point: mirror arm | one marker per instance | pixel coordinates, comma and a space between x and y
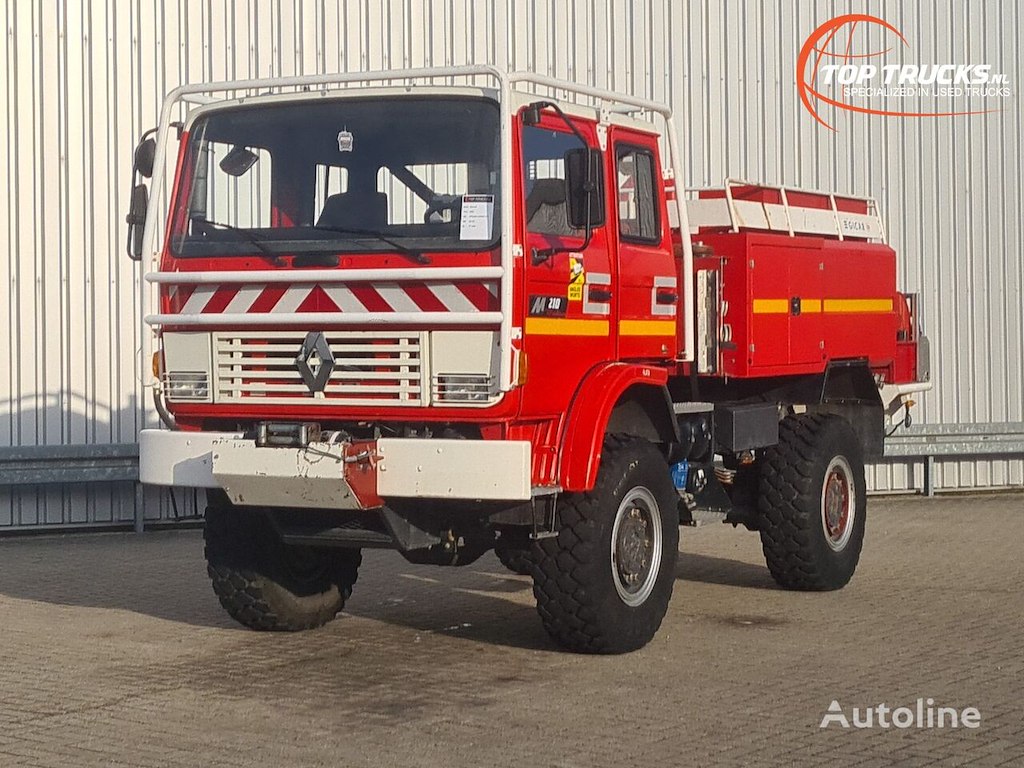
539, 105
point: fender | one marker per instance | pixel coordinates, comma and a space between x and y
589, 413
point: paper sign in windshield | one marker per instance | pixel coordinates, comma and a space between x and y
477, 217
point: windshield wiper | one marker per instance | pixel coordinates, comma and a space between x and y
246, 234
409, 253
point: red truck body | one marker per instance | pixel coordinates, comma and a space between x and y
478, 370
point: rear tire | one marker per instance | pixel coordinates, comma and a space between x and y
812, 503
603, 584
266, 584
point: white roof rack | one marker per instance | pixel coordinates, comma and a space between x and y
742, 205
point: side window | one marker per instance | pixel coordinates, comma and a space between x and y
637, 195
233, 185
544, 180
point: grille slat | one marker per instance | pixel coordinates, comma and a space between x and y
370, 368
233, 345
289, 375
302, 389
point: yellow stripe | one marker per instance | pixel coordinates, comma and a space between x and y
771, 306
558, 326
647, 327
858, 305
813, 306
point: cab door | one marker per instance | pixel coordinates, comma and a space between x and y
569, 294
647, 287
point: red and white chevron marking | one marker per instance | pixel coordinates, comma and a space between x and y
358, 297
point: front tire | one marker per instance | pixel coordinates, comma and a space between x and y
813, 503
266, 584
603, 584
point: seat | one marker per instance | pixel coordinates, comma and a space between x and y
545, 208
355, 210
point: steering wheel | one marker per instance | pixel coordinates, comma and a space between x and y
439, 203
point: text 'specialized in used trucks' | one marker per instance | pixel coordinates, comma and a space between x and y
453, 310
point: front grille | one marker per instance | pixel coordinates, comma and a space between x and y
370, 368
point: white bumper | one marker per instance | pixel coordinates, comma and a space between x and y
317, 476
179, 458
454, 469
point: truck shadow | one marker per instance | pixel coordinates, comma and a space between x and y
158, 574
162, 575
707, 569
480, 602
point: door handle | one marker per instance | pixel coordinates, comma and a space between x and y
666, 297
599, 294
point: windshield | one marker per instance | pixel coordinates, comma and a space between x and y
411, 174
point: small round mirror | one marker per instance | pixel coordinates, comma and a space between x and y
145, 154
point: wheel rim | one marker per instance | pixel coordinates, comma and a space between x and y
636, 546
838, 503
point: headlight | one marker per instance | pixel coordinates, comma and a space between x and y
186, 386
463, 388
465, 368
187, 368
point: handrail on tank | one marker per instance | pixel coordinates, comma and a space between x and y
784, 190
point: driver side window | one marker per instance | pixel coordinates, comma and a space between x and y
544, 181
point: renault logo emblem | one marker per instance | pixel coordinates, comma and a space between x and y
315, 361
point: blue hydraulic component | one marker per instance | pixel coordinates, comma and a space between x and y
680, 472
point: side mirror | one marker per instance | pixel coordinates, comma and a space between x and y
145, 154
531, 112
136, 219
142, 165
584, 201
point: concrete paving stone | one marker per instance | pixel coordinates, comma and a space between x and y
116, 652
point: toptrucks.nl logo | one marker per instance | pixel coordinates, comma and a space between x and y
837, 68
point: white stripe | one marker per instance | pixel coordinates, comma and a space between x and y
492, 288
199, 299
447, 293
397, 298
245, 298
292, 298
453, 299
346, 300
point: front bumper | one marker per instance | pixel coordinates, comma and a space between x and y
358, 475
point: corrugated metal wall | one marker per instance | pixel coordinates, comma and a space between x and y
83, 80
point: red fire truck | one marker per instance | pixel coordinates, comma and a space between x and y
453, 310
